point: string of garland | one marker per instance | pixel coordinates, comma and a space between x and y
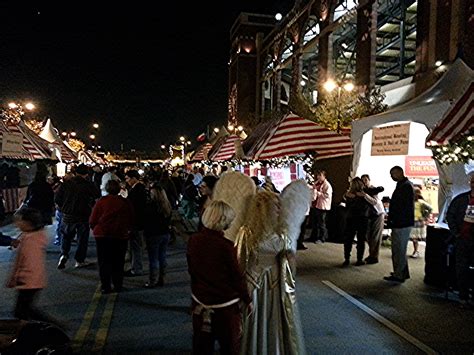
306, 161
461, 151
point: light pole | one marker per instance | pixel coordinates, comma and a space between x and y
330, 86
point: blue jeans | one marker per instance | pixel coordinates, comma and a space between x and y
156, 246
69, 232
400, 238
59, 235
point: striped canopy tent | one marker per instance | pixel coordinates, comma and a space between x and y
201, 153
457, 122
21, 154
225, 148
89, 158
293, 135
50, 134
36, 146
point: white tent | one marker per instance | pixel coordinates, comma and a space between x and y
63, 151
423, 113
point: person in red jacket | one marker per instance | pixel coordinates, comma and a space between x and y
217, 283
111, 221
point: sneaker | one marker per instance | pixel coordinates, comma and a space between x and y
360, 262
346, 262
62, 262
415, 255
80, 264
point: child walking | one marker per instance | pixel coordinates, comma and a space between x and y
28, 274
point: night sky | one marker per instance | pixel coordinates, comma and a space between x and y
146, 73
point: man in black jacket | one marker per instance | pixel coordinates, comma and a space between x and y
460, 218
75, 199
137, 195
401, 219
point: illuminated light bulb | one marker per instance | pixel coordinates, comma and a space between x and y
349, 86
330, 85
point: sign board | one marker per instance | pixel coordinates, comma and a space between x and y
390, 140
420, 166
12, 143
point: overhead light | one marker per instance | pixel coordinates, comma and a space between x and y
278, 16
302, 83
438, 63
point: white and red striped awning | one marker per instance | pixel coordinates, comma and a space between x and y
224, 150
293, 135
23, 155
202, 152
458, 121
36, 146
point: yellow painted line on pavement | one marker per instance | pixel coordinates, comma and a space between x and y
103, 331
87, 321
393, 327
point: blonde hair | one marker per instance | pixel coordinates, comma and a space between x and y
263, 216
218, 215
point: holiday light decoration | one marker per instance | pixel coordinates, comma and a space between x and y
306, 161
461, 151
35, 125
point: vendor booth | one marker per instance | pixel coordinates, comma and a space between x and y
21, 148
224, 149
397, 136
201, 153
62, 151
288, 143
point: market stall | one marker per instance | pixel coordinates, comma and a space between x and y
21, 148
452, 142
62, 151
201, 153
225, 148
287, 144
397, 136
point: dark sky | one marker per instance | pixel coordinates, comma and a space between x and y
146, 73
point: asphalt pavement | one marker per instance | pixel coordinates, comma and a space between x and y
343, 310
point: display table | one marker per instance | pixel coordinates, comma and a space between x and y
439, 257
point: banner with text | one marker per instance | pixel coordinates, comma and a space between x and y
12, 143
390, 140
420, 166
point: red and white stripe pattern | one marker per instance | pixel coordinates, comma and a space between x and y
226, 150
294, 135
457, 122
201, 152
24, 155
67, 154
36, 146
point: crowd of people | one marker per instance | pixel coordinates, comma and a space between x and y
243, 253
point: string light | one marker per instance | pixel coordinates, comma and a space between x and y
461, 151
